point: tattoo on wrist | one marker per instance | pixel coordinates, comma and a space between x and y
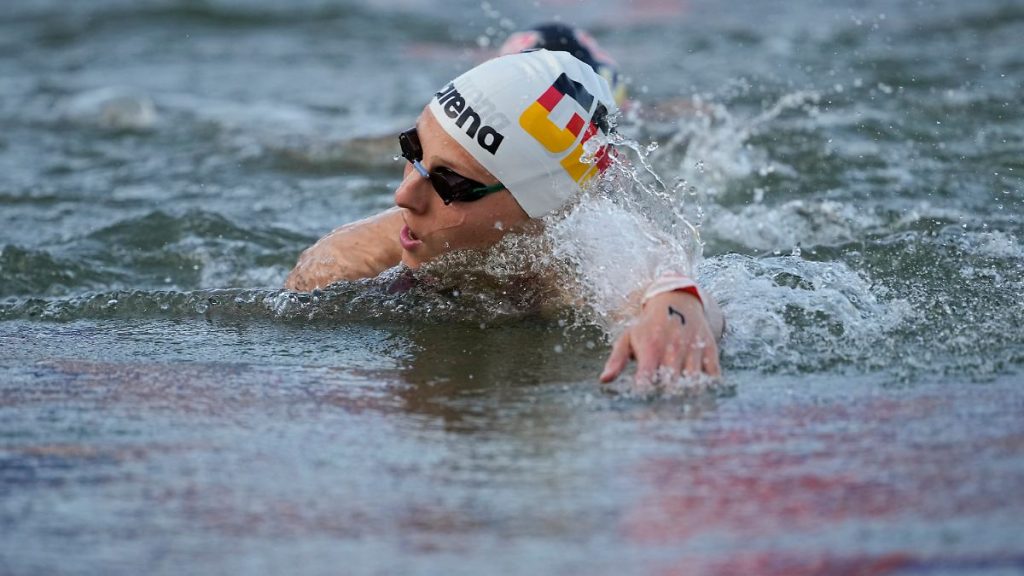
673, 312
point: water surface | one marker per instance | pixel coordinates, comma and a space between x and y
854, 168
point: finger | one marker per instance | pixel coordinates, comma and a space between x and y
711, 364
617, 359
647, 360
693, 362
674, 360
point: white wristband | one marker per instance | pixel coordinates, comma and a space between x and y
671, 282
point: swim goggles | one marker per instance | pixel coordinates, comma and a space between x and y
449, 185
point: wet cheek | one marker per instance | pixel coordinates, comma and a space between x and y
493, 233
461, 232
483, 234
457, 221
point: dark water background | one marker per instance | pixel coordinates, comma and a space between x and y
166, 408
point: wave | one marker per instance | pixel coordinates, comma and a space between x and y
62, 24
28, 271
194, 249
397, 296
886, 308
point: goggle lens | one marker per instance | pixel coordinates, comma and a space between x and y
449, 185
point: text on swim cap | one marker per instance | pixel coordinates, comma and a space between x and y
455, 107
556, 139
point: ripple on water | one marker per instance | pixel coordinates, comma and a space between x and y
789, 314
193, 249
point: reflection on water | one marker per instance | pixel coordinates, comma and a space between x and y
466, 438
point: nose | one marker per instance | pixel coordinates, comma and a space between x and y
413, 193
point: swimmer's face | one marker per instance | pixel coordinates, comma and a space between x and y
432, 228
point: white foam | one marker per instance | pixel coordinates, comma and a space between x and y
612, 252
993, 244
715, 140
794, 223
112, 107
785, 312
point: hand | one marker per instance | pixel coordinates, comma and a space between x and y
672, 336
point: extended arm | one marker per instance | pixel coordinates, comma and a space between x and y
362, 249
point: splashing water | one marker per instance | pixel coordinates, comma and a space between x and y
163, 400
627, 228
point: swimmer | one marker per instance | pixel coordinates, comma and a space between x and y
657, 120
557, 36
486, 158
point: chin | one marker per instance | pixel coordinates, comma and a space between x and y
410, 261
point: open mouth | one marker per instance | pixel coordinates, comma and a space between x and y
408, 238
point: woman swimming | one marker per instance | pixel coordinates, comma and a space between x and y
491, 153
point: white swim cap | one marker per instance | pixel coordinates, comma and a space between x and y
525, 118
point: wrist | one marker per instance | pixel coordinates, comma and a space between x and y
672, 283
676, 299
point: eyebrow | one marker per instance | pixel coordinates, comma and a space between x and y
436, 161
461, 170
455, 166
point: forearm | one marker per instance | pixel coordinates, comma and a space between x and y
361, 249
